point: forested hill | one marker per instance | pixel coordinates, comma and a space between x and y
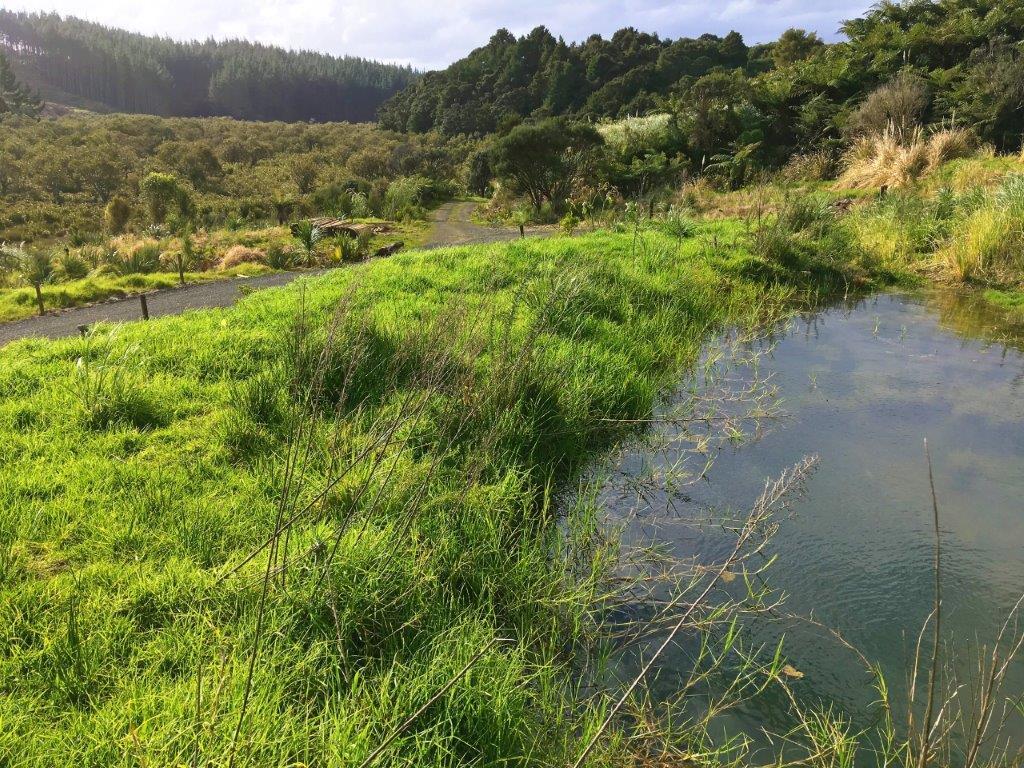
67, 59
541, 75
965, 58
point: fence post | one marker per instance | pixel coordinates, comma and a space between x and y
145, 306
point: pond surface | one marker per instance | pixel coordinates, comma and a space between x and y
862, 385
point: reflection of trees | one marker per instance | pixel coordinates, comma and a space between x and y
969, 316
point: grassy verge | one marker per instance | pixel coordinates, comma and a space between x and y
272, 534
17, 303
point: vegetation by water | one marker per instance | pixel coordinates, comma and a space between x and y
319, 528
271, 534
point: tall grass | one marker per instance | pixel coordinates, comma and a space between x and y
336, 532
897, 158
989, 242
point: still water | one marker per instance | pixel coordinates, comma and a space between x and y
861, 385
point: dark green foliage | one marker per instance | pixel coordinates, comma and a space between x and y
128, 72
956, 61
116, 215
15, 98
544, 160
58, 176
511, 78
795, 45
161, 193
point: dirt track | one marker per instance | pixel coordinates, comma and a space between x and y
452, 226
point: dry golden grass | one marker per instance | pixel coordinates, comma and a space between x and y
896, 159
239, 254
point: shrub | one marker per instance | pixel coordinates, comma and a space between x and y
898, 105
806, 213
257, 406
279, 257
773, 243
8, 264
117, 214
140, 259
677, 224
402, 199
811, 166
360, 206
308, 237
108, 395
35, 267
239, 254
71, 266
990, 241
949, 144
160, 193
347, 249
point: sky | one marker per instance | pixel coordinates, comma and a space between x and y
431, 35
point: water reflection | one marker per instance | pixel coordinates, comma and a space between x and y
863, 383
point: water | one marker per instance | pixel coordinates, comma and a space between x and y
862, 385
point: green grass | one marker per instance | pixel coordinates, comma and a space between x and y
1010, 300
447, 396
18, 303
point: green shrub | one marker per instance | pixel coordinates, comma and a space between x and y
280, 257
71, 266
117, 214
140, 260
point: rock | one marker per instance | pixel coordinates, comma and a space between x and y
389, 250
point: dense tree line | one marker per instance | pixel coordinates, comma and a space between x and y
965, 59
128, 72
540, 75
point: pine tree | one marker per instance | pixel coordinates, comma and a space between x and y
15, 98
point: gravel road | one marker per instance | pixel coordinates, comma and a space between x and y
452, 226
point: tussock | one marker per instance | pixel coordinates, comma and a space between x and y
897, 159
239, 254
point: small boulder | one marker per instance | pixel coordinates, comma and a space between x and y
389, 250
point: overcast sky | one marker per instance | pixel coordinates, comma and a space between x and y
430, 35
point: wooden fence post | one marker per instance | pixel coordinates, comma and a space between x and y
145, 306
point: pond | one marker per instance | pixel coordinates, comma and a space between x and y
861, 385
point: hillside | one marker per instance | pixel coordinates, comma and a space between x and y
86, 65
964, 57
540, 75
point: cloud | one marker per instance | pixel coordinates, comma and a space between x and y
432, 35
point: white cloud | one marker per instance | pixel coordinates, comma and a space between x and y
431, 35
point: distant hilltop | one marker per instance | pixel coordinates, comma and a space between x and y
82, 65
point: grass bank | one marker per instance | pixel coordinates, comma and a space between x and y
132, 264
318, 523
19, 303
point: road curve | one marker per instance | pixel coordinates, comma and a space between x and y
452, 225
